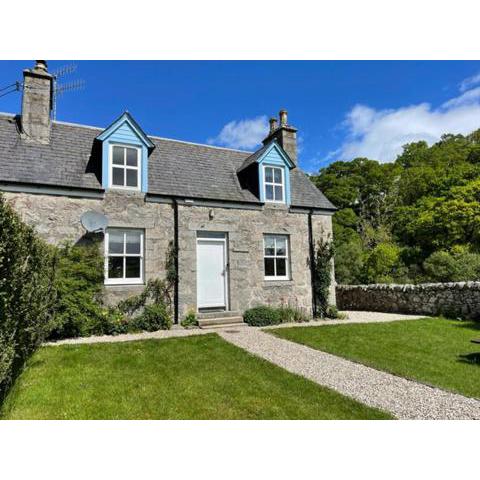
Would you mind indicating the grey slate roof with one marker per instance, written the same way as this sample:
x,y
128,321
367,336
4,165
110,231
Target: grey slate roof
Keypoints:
x,y
252,158
175,168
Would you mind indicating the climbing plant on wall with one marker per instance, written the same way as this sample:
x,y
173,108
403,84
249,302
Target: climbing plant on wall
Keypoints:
x,y
322,276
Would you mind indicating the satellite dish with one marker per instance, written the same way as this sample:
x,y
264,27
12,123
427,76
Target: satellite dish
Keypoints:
x,y
94,221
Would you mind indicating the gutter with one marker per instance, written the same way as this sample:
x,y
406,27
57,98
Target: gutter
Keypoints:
x,y
39,189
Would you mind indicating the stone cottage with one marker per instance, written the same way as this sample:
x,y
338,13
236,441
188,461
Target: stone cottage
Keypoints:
x,y
244,223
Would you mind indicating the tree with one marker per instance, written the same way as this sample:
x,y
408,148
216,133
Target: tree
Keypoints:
x,y
392,217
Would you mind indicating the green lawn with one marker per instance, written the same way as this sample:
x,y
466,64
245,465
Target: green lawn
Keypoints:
x,y
434,351
200,377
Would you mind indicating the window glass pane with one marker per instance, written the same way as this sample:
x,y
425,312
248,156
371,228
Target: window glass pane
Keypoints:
x,y
268,174
269,192
118,177
117,157
133,242
281,267
132,157
269,267
278,193
277,175
115,242
115,267
132,178
269,246
132,267
281,246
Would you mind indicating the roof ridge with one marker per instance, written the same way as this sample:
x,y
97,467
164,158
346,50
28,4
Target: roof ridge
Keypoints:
x,y
156,137
81,125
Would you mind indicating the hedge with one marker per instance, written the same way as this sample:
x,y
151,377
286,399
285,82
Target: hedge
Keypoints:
x,y
27,293
262,316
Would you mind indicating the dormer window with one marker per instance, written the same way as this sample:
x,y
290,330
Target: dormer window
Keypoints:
x,y
125,167
274,184
125,152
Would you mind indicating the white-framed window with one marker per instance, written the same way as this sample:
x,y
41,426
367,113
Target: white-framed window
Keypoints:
x,y
125,167
274,184
276,261
124,256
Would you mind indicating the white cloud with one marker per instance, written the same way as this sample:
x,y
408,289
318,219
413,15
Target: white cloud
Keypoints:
x,y
380,134
469,82
468,97
246,133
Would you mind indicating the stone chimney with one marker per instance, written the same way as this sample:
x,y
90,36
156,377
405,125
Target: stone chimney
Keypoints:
x,y
37,103
284,134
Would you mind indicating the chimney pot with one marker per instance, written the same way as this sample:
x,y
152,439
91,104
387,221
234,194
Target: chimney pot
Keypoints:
x,y
273,124
41,65
284,134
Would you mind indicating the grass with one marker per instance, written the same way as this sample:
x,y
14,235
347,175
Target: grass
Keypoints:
x,y
200,377
434,351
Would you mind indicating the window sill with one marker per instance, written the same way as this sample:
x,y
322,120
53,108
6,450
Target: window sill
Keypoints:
x,y
124,284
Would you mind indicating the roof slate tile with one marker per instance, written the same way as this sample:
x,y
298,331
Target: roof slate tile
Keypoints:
x,y
175,168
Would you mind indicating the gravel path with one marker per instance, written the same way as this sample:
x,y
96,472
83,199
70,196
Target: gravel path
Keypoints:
x,y
353,317
130,337
405,399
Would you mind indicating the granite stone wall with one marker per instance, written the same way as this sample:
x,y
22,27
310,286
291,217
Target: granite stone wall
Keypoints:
x,y
461,299
245,230
57,218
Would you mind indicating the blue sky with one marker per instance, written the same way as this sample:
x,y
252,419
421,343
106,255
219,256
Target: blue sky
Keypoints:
x,y
342,109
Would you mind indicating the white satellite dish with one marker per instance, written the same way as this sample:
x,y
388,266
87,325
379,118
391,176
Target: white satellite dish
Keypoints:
x,y
94,221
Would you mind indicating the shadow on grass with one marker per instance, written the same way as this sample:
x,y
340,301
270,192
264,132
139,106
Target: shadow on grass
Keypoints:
x,y
468,324
470,358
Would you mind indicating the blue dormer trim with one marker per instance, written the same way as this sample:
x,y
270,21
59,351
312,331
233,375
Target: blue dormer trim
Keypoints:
x,y
125,131
274,156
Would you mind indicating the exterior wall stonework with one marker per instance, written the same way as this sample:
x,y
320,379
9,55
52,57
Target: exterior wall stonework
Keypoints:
x,y
461,299
57,219
245,230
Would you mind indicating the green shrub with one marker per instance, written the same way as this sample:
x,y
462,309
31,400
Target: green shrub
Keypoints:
x,y
190,319
289,314
154,317
262,316
114,322
155,291
332,312
79,285
27,293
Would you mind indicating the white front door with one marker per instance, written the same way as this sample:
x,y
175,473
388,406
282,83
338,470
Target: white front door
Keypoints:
x,y
211,272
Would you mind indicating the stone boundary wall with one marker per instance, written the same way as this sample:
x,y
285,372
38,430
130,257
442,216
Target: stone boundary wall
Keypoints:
x,y
460,299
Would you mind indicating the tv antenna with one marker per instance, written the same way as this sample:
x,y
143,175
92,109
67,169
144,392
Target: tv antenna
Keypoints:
x,y
60,88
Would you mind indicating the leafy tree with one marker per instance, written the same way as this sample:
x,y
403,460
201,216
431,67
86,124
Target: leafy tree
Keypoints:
x,y
392,217
383,263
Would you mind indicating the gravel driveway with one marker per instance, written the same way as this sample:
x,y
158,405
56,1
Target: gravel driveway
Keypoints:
x,y
405,399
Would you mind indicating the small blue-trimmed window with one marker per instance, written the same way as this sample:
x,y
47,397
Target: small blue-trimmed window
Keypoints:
x,y
274,184
125,167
